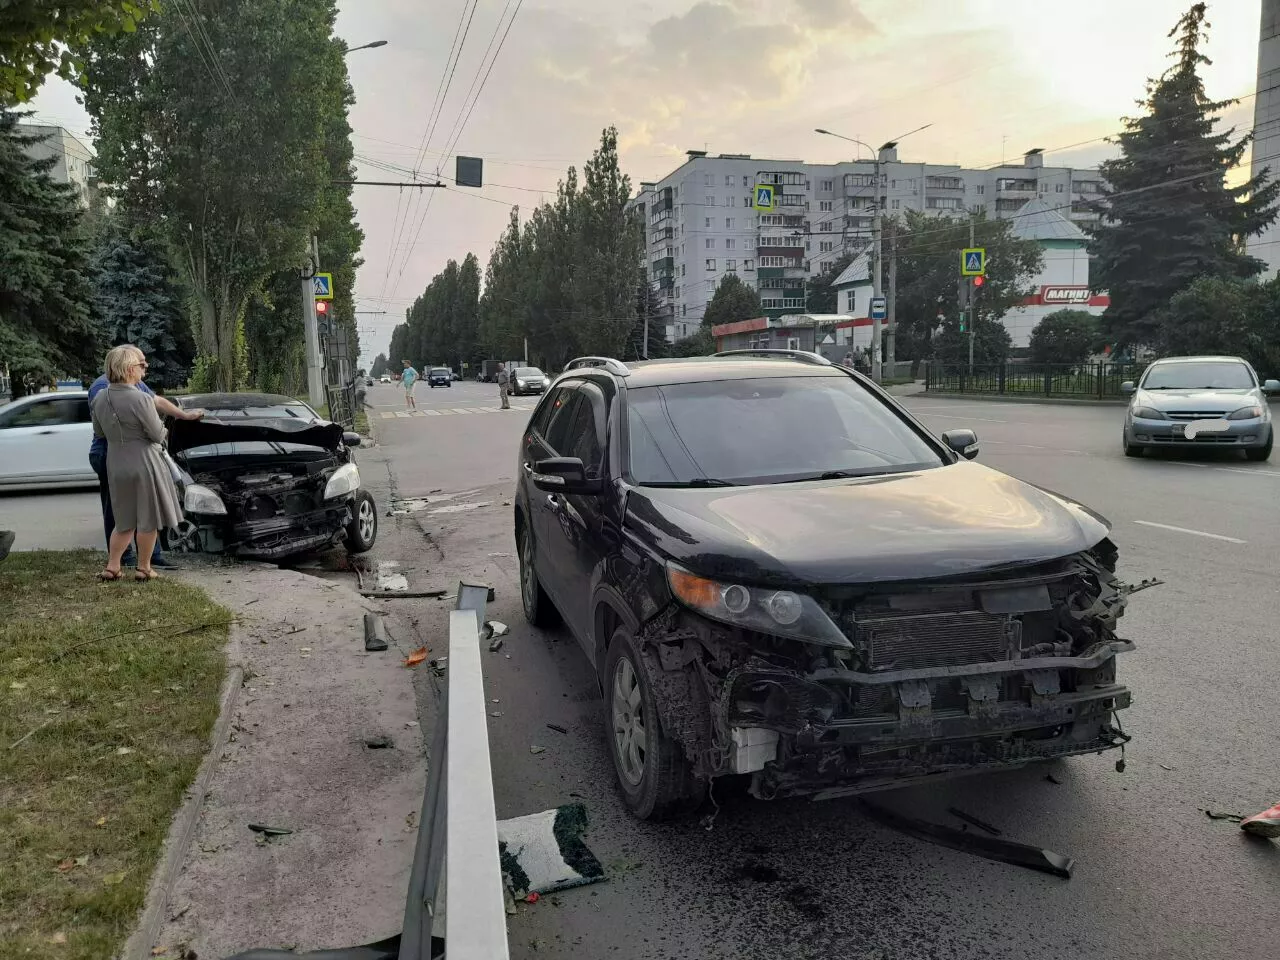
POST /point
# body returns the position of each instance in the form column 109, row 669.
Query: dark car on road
column 439, row 377
column 1189, row 403
column 266, row 477
column 779, row 573
column 526, row 380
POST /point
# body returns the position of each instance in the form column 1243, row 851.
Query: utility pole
column 876, row 290
column 311, row 328
column 973, row 313
column 891, row 330
column 648, row 308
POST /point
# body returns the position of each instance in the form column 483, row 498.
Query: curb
column 1013, row 398
column 183, row 829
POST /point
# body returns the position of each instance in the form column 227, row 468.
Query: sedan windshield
column 1201, row 375
column 528, row 373
column 767, row 430
column 440, row 372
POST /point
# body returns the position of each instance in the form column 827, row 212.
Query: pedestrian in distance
column 504, row 386
column 408, row 377
column 143, row 496
column 98, row 458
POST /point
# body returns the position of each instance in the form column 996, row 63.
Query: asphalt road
column 1154, row 876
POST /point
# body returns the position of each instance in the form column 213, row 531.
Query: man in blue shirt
column 98, row 461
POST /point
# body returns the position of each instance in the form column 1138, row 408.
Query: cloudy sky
column 993, row 77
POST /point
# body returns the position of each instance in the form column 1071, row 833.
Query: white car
column 44, row 441
column 384, row 379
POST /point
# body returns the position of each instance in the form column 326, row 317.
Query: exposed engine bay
column 939, row 678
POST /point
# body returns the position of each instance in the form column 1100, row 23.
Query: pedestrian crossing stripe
column 455, row 411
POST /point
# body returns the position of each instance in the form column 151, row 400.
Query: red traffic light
column 979, row 281
column 322, row 307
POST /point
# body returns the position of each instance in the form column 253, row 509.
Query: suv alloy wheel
column 538, row 609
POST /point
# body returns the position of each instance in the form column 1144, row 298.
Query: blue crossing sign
column 973, row 262
column 764, row 197
column 322, row 286
column 879, row 308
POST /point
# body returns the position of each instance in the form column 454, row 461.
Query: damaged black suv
column 264, row 477
column 779, row 573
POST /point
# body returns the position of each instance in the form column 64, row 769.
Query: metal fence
column 1096, row 381
column 342, row 404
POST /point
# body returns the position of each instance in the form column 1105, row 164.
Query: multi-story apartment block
column 701, row 223
column 74, row 161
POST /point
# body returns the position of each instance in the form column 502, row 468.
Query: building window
column 731, row 265
column 730, row 243
column 748, row 264
column 728, row 180
column 807, row 244
column 825, row 246
column 893, row 184
column 1057, row 188
column 728, row 223
column 707, row 180
column 895, row 203
column 682, row 269
column 682, row 249
column 707, row 223
column 982, row 188
column 711, row 264
column 711, row 243
column 684, row 309
column 746, row 202
column 824, row 205
column 824, row 226
column 825, row 185
column 709, row 200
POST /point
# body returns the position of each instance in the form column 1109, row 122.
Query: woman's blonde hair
column 120, row 360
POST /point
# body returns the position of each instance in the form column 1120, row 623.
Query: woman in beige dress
column 143, row 496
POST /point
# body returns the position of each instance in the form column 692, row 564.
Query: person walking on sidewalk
column 98, row 458
column 504, row 386
column 408, row 377
column 143, row 497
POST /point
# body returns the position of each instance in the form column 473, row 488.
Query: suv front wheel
column 538, row 609
column 653, row 772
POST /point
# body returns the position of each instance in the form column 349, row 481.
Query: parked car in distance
column 527, row 380
column 265, row 477
column 1185, row 403
column 825, row 611
column 44, row 441
column 385, row 378
column 368, row 381
column 439, row 377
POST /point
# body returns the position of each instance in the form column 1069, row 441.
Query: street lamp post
column 367, row 46
column 876, row 241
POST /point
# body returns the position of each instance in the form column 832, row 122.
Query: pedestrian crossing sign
column 973, row 262
column 764, row 197
column 322, row 286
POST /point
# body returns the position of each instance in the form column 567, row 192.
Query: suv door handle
column 554, row 501
column 528, row 467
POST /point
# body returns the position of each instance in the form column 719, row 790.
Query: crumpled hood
column 953, row 520
column 186, row 434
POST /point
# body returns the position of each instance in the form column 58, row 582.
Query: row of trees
column 222, row 147
column 566, row 282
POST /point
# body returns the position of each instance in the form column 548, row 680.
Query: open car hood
column 186, row 434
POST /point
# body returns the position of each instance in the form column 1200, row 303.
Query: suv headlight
column 1245, row 413
column 345, row 480
column 199, row 499
column 1148, row 413
column 765, row 610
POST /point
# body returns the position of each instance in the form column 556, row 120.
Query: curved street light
column 367, row 46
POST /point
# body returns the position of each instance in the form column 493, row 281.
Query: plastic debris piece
column 535, row 749
column 416, row 657
column 495, row 644
column 380, row 742
column 974, row 821
column 496, row 628
column 557, row 728
column 495, row 713
column 1222, row 815
column 375, row 633
column 268, row 831
column 533, row 897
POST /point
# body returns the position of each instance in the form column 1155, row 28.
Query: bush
column 1065, row 336
column 991, row 343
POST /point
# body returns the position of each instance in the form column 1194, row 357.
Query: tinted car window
column 582, row 440
column 1202, row 375
column 528, row 373
column 47, row 413
column 561, row 431
column 767, row 430
column 542, row 419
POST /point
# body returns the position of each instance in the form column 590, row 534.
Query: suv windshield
column 280, row 411
column 528, row 373
column 1202, row 375
column 767, row 430
column 440, row 371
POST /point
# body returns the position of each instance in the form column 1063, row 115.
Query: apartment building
column 73, row 160
column 701, row 223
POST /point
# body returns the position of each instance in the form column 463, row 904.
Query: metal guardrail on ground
column 455, row 904
column 1096, row 381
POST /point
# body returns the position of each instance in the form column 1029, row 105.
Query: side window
column 559, row 434
column 542, row 420
column 586, row 437
column 42, row 413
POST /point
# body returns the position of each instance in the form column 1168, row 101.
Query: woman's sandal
column 106, row 576
column 143, row 575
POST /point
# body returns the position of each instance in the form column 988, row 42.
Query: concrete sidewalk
column 299, row 756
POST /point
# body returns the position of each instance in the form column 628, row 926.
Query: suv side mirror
column 1127, row 387
column 1270, row 386
column 963, row 442
column 564, row 475
column 351, row 439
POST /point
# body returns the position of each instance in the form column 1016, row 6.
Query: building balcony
column 1010, row 185
column 664, row 266
column 944, row 184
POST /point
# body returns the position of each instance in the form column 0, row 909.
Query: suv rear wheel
column 653, row 773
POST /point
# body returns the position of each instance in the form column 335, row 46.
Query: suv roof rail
column 613, row 366
column 804, row 356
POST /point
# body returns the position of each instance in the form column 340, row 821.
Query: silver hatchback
column 1197, row 402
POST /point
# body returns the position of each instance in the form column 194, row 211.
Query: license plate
column 1195, row 427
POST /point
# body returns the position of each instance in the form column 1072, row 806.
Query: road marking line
column 1248, row 472
column 432, row 413
column 460, row 410
column 402, row 413
column 1198, row 533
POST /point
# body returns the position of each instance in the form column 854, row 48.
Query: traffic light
column 964, row 322
column 322, row 307
column 964, row 291
column 322, row 317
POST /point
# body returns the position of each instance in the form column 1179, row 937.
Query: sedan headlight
column 1148, row 413
column 1245, row 413
column 345, row 480
column 779, row 612
column 198, row 499
column 520, row 383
